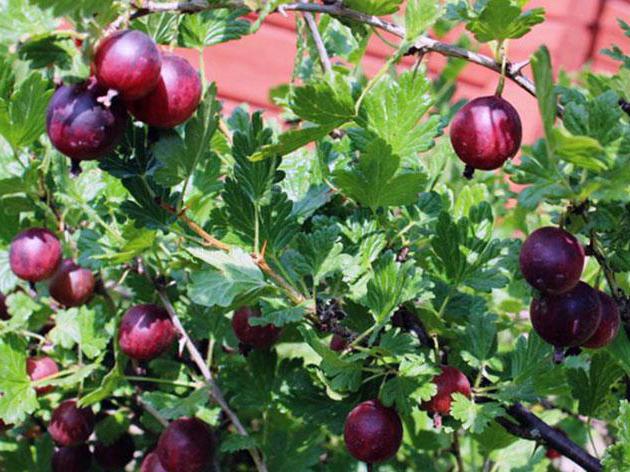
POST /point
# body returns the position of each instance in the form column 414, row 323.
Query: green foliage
column 343, row 211
column 497, row 19
column 212, row 27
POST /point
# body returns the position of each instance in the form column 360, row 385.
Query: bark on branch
column 533, row 428
column 423, row 43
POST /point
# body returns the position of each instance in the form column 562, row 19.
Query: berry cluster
column 87, row 120
column 566, row 312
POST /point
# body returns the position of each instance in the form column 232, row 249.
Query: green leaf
column 82, row 326
column 283, row 433
column 532, row 371
column 582, row 151
column 320, row 252
column 394, row 109
column 235, row 442
column 617, row 455
column 179, row 157
column 109, row 429
column 86, row 8
column 479, row 342
column 234, row 275
column 388, row 287
column 22, row 116
column 420, row 15
column 619, row 349
column 323, row 102
column 213, row 27
column 374, row 7
column 17, row 397
column 279, row 313
column 592, row 387
column 412, row 386
column 545, row 94
column 501, row 20
column 293, row 140
column 53, row 48
column 372, row 183
column 475, row 417
column 344, row 374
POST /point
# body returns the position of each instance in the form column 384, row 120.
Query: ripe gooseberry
column 451, row 380
column 72, row 459
column 186, row 445
column 35, row 254
column 485, row 133
column 72, row 285
column 259, row 337
column 372, row 432
column 174, row 99
column 129, row 62
column 71, row 425
column 567, row 319
column 82, row 127
column 39, row 368
column 145, row 332
column 116, row 455
column 151, row 463
column 338, row 343
column 608, row 325
column 552, row 260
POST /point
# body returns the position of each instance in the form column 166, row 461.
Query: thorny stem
column 538, row 430
column 215, row 391
column 423, row 43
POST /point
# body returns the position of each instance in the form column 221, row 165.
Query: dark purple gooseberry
column 128, row 62
column 338, row 343
column 71, row 425
column 186, row 445
column 486, row 132
column 35, row 254
column 39, row 368
column 259, row 337
column 4, row 313
column 116, row 455
column 145, row 332
column 82, row 127
column 151, row 463
column 567, row 319
column 609, row 324
column 174, row 99
column 372, row 432
column 72, row 459
column 72, row 285
column 552, row 260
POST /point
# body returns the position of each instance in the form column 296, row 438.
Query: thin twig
column 319, row 43
column 259, row 259
column 215, row 391
column 152, row 411
column 423, row 43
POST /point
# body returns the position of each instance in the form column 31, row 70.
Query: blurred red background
column 575, row 32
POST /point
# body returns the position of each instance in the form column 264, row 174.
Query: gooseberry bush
column 375, row 275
